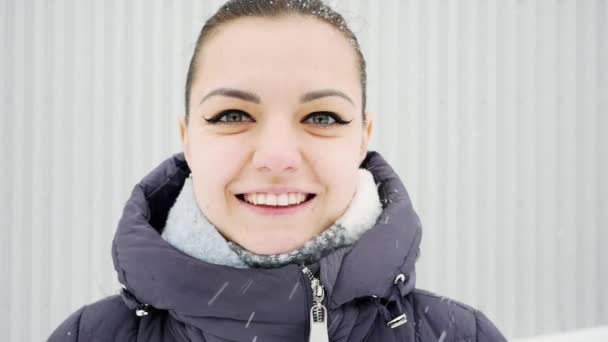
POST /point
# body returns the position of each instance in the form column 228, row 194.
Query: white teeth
column 284, row 199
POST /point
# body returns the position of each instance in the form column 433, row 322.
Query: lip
column 268, row 210
column 276, row 190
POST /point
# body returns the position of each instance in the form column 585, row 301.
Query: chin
column 270, row 246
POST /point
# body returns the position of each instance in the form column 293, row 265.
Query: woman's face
column 269, row 108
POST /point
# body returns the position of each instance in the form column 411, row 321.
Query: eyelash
column 217, row 119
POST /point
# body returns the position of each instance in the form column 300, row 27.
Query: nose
column 276, row 150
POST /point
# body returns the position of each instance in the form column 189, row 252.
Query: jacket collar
column 158, row 274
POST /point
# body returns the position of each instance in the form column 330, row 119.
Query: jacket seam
column 476, row 326
column 417, row 238
column 138, row 326
column 119, row 268
column 416, row 326
column 78, row 323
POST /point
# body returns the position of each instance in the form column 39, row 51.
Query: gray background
column 494, row 113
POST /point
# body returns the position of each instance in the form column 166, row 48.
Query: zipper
column 318, row 312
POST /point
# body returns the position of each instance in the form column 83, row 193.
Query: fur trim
column 188, row 230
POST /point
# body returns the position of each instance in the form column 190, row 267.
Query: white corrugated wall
column 494, row 113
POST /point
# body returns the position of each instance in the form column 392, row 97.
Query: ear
column 367, row 134
column 183, row 134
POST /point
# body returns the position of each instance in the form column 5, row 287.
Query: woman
column 275, row 223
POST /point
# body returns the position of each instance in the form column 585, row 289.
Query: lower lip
column 276, row 210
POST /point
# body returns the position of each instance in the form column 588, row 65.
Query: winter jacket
column 362, row 292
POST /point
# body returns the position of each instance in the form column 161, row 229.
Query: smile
column 276, row 204
column 290, row 199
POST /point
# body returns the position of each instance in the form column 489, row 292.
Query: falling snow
column 246, row 286
column 217, row 294
column 249, row 321
column 295, row 287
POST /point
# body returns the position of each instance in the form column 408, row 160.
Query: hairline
column 215, row 29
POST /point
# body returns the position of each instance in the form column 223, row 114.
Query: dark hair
column 234, row 9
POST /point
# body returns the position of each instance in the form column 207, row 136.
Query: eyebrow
column 251, row 97
column 230, row 92
column 314, row 95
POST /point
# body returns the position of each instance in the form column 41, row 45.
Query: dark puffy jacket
column 369, row 287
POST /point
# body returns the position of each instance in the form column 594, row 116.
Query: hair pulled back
column 235, row 9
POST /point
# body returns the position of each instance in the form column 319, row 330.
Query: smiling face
column 275, row 134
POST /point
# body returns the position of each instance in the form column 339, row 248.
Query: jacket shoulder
column 441, row 318
column 108, row 319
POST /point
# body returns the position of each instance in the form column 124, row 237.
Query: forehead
column 292, row 50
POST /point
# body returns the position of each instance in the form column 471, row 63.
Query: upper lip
column 277, row 190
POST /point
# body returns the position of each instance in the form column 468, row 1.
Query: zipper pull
column 318, row 312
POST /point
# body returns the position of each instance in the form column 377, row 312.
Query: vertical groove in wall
column 157, row 97
column 119, row 61
column 21, row 188
column 37, row 98
column 506, row 191
column 468, row 130
column 566, row 171
column 437, row 142
column 410, row 40
column 600, row 82
column 391, row 91
column 81, row 157
column 429, row 169
column 545, row 166
column 526, row 201
column 449, row 143
column 100, row 120
column 484, row 152
column 59, row 224
column 585, row 223
column 6, row 157
column 427, row 52
column 493, row 112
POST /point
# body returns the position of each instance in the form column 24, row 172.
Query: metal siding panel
column 586, row 225
column 600, row 183
column 546, row 187
column 506, row 188
column 485, row 102
column 7, row 63
column 566, row 169
column 20, row 276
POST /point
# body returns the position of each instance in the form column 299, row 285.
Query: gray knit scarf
column 188, row 230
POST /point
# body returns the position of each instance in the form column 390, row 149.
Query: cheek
column 214, row 161
column 334, row 156
column 336, row 166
